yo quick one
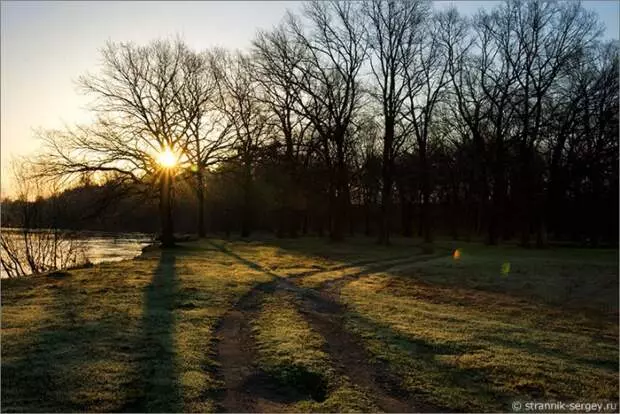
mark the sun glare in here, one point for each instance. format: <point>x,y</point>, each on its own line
<point>167,158</point>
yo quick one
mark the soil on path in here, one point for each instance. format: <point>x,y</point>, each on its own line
<point>249,390</point>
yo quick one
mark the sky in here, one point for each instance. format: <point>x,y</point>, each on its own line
<point>47,45</point>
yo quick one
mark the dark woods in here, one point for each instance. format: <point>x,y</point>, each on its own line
<point>373,118</point>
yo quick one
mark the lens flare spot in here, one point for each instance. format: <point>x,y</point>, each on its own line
<point>505,268</point>
<point>457,254</point>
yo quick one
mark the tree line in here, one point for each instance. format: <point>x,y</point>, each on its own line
<point>380,116</point>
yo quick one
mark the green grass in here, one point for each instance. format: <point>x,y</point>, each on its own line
<point>293,354</point>
<point>139,335</point>
<point>469,338</point>
<point>126,336</point>
<point>567,277</point>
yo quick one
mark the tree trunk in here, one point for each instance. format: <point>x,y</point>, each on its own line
<point>523,196</point>
<point>367,216</point>
<point>293,221</point>
<point>386,190</point>
<point>386,195</point>
<point>425,215</point>
<point>201,204</point>
<point>292,216</point>
<point>282,221</point>
<point>341,197</point>
<point>495,222</point>
<point>407,217</point>
<point>165,204</point>
<point>246,219</point>
<point>304,228</point>
<point>453,208</point>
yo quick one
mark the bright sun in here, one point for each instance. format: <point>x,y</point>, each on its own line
<point>167,158</point>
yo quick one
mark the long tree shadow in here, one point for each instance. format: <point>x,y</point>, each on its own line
<point>340,343</point>
<point>55,372</point>
<point>452,380</point>
<point>248,263</point>
<point>157,368</point>
<point>33,383</point>
<point>327,315</point>
<point>607,362</point>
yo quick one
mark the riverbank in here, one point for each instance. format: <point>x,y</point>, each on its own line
<point>289,325</point>
<point>88,246</point>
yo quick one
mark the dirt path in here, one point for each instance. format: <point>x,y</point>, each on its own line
<point>235,352</point>
<point>248,390</point>
<point>349,357</point>
<point>324,312</point>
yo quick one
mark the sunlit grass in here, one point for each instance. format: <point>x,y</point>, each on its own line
<point>466,334</point>
<point>467,339</point>
<point>292,353</point>
<point>80,343</point>
<point>75,346</point>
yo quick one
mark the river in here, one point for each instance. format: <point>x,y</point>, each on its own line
<point>100,247</point>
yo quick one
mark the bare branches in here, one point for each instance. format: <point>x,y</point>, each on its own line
<point>142,97</point>
<point>35,247</point>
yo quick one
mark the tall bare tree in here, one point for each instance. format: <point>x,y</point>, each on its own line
<point>276,59</point>
<point>208,130</point>
<point>394,37</point>
<point>138,119</point>
<point>328,82</point>
<point>538,40</point>
<point>247,117</point>
<point>426,78</point>
<point>498,84</point>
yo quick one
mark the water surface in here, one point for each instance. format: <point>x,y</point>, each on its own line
<point>99,247</point>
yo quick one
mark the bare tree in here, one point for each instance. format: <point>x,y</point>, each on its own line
<point>481,92</point>
<point>276,59</point>
<point>136,103</point>
<point>394,32</point>
<point>38,246</point>
<point>329,88</point>
<point>367,164</point>
<point>538,39</point>
<point>426,78</point>
<point>497,84</point>
<point>247,116</point>
<point>580,138</point>
<point>208,130</point>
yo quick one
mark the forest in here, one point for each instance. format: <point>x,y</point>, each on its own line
<point>349,118</point>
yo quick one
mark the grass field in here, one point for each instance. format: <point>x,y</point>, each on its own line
<point>305,325</point>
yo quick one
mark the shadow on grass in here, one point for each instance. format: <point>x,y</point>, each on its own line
<point>32,383</point>
<point>396,350</point>
<point>471,379</point>
<point>248,263</point>
<point>157,382</point>
<point>284,383</point>
<point>348,252</point>
<point>458,384</point>
<point>533,348</point>
<point>437,378</point>
<point>55,372</point>
<point>74,363</point>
